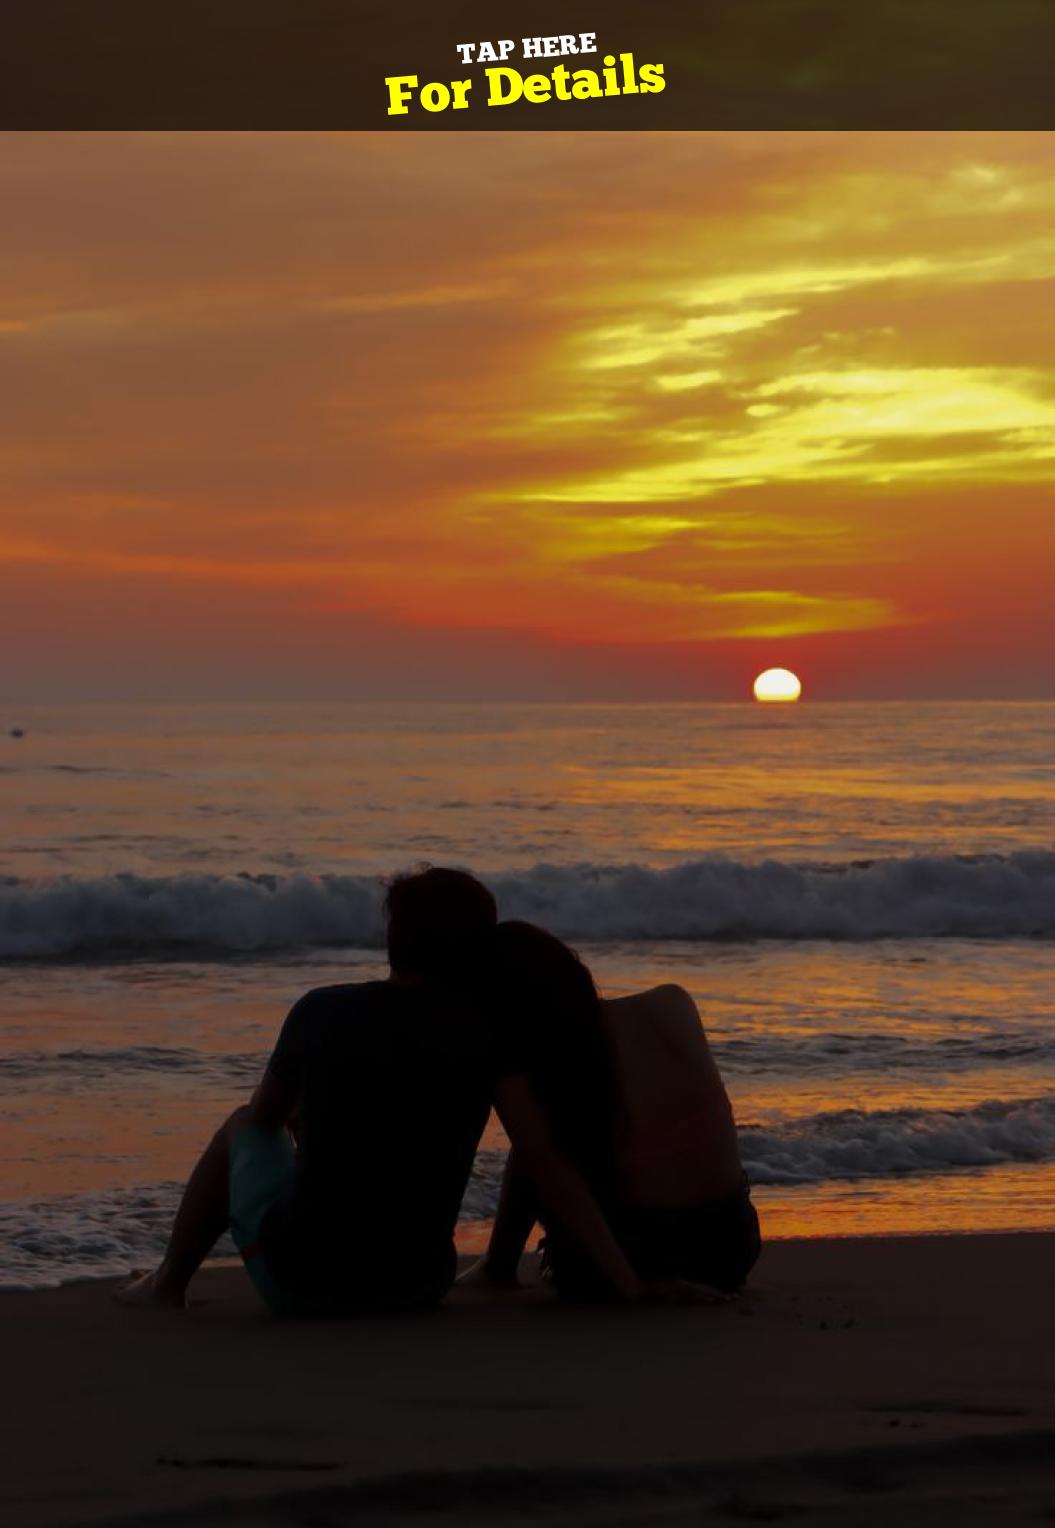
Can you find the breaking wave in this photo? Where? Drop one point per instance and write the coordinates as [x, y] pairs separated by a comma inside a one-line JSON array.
[[853, 1143], [925, 896]]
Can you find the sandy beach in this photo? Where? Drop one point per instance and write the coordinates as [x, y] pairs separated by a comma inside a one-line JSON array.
[[858, 1381]]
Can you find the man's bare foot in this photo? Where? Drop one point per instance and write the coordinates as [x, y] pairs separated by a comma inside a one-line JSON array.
[[145, 1288]]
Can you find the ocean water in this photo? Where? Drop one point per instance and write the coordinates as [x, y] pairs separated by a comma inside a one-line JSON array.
[[860, 897]]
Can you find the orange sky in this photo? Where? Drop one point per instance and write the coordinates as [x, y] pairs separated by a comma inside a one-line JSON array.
[[527, 414]]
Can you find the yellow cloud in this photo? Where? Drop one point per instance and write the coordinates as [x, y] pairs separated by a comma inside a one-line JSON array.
[[552, 399], [679, 382], [640, 343]]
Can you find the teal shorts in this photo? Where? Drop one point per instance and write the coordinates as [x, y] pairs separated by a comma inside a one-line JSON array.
[[260, 1174]]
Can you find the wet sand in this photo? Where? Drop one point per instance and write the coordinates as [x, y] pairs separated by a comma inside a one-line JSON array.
[[860, 1381]]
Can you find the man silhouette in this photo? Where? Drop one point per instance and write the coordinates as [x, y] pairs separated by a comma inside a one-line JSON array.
[[387, 1086]]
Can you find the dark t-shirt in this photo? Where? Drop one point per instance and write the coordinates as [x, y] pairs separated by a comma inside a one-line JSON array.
[[394, 1086]]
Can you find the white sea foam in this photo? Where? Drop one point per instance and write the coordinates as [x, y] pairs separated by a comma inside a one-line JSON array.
[[713, 898], [170, 915], [716, 898], [851, 1143], [68, 1237], [65, 1238]]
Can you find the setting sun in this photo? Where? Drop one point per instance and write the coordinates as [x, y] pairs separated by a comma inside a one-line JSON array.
[[778, 684]]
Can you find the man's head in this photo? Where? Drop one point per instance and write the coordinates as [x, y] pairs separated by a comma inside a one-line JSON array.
[[436, 921]]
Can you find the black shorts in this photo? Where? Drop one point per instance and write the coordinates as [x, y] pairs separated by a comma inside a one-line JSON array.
[[716, 1243]]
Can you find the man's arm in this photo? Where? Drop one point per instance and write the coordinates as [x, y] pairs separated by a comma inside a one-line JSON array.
[[273, 1105], [559, 1185]]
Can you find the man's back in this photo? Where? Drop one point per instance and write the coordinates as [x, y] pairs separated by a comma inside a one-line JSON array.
[[394, 1085]]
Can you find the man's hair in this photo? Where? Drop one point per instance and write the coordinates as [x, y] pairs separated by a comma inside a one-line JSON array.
[[437, 919]]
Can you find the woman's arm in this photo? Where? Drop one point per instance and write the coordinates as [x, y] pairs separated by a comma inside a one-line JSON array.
[[514, 1222], [559, 1186]]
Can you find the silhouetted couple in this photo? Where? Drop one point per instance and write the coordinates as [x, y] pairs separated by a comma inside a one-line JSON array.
[[342, 1179]]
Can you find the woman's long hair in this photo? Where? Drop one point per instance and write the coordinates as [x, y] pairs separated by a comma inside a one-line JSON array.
[[546, 1008]]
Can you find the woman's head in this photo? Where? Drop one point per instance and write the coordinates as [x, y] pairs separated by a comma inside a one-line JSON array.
[[536, 970], [543, 998]]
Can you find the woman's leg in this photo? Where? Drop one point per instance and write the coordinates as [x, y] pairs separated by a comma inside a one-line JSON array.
[[202, 1218]]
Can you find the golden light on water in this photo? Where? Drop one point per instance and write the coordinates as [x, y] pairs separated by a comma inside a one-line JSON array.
[[778, 684]]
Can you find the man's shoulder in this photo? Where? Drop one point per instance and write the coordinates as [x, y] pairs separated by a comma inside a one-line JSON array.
[[337, 994], [342, 999]]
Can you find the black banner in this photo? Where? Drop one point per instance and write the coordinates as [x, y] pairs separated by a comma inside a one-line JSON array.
[[338, 64]]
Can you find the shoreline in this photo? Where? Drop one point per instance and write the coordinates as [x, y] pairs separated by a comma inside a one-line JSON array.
[[857, 1379], [468, 1255], [467, 1258]]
